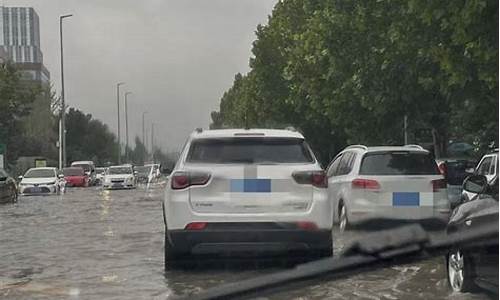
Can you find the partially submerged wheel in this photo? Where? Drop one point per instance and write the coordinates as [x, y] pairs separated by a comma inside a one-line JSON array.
[[460, 271], [343, 221]]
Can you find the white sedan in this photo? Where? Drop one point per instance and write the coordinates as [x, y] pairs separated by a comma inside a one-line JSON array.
[[41, 181], [120, 177]]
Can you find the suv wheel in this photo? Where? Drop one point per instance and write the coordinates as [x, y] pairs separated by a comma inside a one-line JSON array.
[[172, 257], [460, 275], [343, 221]]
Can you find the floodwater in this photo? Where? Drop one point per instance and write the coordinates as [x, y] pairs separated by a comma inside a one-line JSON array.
[[95, 244]]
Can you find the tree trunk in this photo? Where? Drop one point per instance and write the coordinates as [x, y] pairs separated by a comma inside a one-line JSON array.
[[439, 140]]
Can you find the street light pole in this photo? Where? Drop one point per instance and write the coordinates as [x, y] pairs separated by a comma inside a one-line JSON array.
[[118, 112], [62, 118], [152, 142], [126, 124]]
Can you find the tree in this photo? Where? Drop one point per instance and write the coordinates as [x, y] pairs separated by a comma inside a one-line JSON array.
[[348, 72], [17, 99], [139, 153], [89, 139]]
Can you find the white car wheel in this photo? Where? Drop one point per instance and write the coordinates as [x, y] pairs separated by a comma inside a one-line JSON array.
[[459, 272]]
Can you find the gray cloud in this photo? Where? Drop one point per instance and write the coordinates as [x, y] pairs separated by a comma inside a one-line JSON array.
[[177, 56]]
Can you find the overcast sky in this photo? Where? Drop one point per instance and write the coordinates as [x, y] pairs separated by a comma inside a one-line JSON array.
[[177, 57]]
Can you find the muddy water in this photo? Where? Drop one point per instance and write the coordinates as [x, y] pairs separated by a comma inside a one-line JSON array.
[[95, 244]]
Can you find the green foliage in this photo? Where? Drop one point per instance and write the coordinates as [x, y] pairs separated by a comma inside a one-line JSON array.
[[17, 97], [349, 71], [89, 139]]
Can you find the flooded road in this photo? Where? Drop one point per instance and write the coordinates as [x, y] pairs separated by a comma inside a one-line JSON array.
[[95, 244]]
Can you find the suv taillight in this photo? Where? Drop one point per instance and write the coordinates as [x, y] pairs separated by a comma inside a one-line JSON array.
[[369, 184], [182, 180], [438, 185], [315, 178]]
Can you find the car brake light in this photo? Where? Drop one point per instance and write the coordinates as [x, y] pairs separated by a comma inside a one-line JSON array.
[[438, 184], [369, 184], [196, 226], [315, 178], [307, 225], [182, 180], [443, 169]]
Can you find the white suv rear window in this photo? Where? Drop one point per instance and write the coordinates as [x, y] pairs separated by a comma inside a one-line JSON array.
[[251, 150], [398, 163]]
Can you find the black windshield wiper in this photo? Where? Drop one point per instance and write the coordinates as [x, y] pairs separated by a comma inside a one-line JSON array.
[[241, 160], [410, 242]]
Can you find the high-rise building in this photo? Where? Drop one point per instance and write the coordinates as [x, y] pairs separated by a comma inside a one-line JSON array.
[[20, 39]]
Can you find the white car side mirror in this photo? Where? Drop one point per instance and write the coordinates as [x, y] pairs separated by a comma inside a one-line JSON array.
[[469, 170]]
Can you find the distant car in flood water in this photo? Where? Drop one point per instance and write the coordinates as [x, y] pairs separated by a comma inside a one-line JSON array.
[[89, 168], [76, 176], [119, 177], [99, 175], [41, 181]]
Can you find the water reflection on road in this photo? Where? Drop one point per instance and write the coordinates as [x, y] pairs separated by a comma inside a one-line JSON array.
[[95, 244]]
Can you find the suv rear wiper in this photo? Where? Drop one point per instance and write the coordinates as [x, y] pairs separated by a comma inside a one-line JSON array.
[[410, 242], [241, 160]]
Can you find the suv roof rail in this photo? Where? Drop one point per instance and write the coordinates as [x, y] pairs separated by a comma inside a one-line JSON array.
[[199, 130], [357, 147], [290, 128], [414, 146]]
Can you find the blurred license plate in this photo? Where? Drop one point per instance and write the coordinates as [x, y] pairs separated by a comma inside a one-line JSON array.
[[37, 189], [117, 184], [405, 199]]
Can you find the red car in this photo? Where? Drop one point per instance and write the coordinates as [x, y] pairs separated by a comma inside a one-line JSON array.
[[75, 176]]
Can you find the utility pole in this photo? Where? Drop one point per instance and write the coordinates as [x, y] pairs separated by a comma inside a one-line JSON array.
[[62, 119], [118, 111], [126, 124]]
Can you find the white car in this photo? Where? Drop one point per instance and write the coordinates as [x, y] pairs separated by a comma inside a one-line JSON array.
[[391, 183], [155, 171], [119, 177], [487, 166], [254, 191], [99, 175], [41, 181]]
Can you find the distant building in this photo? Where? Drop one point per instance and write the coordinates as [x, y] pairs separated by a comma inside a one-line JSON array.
[[20, 40], [20, 44]]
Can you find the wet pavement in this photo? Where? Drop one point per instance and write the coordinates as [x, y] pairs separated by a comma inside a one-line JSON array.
[[95, 244]]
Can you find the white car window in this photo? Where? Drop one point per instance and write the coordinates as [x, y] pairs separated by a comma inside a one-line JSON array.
[[344, 168], [493, 166], [333, 166], [40, 173], [484, 166]]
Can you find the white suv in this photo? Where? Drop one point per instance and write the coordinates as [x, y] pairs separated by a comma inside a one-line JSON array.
[[398, 183], [248, 191]]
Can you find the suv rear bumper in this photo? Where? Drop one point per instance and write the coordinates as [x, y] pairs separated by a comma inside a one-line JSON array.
[[408, 214], [250, 242]]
